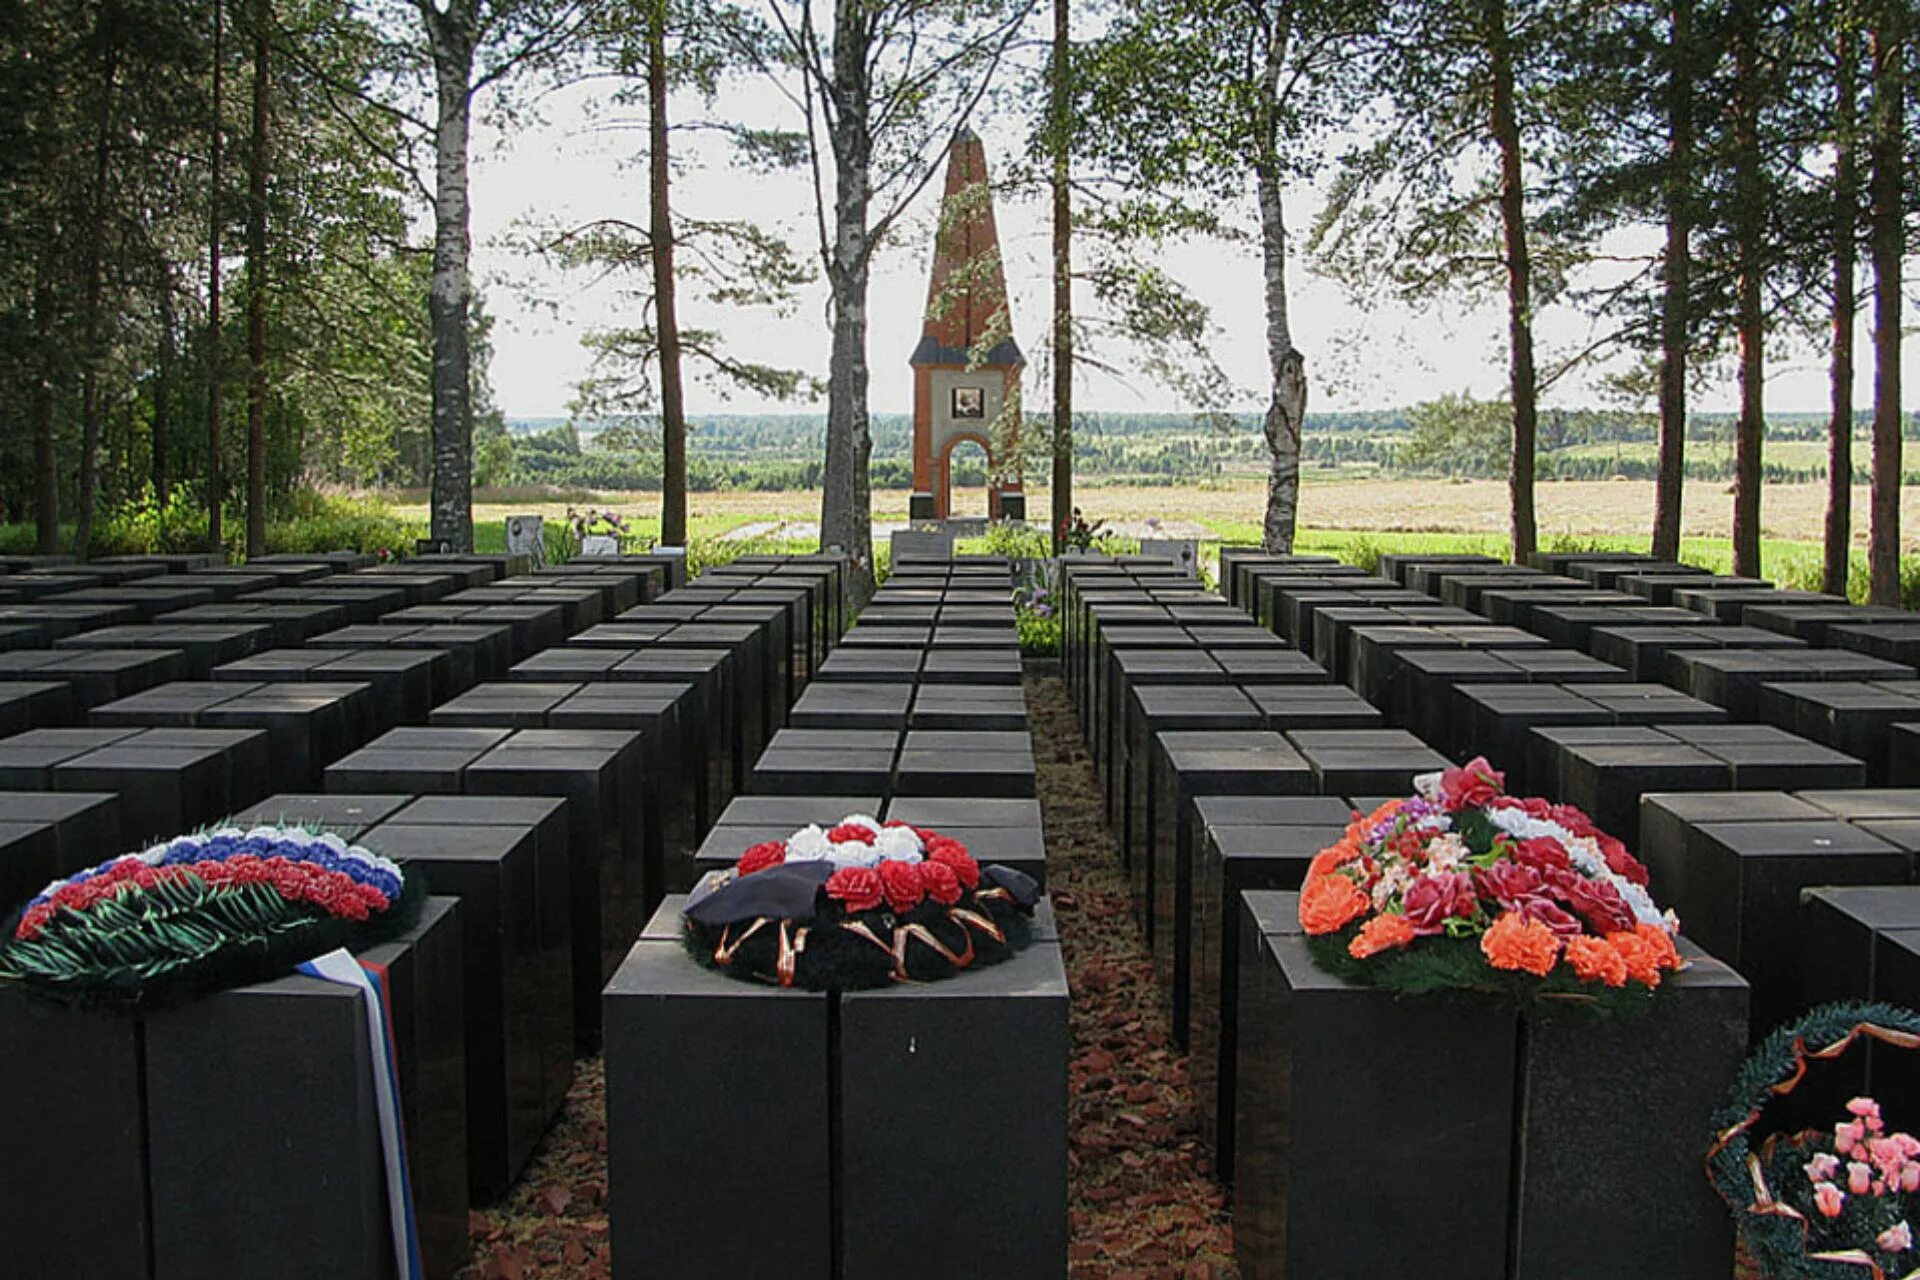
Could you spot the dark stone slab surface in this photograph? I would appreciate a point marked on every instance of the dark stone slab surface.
(957, 762)
(849, 705)
(941, 1128)
(204, 646)
(415, 760)
(835, 761)
(94, 676)
(1314, 1053)
(1854, 717)
(683, 1045)
(1364, 761)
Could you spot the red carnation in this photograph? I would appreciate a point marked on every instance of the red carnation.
(851, 831)
(1437, 897)
(903, 885)
(1472, 787)
(1543, 853)
(1573, 819)
(1508, 883)
(1595, 901)
(941, 881)
(856, 888)
(1619, 861)
(768, 853)
(1546, 913)
(953, 854)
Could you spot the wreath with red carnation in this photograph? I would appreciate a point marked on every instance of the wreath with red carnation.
(858, 905)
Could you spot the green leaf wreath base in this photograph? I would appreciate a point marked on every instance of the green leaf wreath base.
(156, 948)
(838, 950)
(1783, 1242)
(1455, 966)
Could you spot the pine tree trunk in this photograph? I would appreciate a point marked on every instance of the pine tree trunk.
(450, 293)
(1675, 309)
(1749, 305)
(673, 409)
(846, 516)
(1839, 533)
(1888, 246)
(257, 163)
(1060, 182)
(216, 444)
(46, 458)
(92, 404)
(163, 376)
(1506, 134)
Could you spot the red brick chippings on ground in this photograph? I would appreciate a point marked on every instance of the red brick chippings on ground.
(1143, 1202)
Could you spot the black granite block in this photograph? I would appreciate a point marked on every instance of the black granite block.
(204, 646)
(802, 762)
(1642, 651)
(1330, 706)
(94, 676)
(290, 624)
(1365, 761)
(941, 1128)
(171, 781)
(1763, 757)
(29, 860)
(224, 1201)
(71, 1083)
(1670, 825)
(1891, 1077)
(959, 762)
(598, 774)
(1813, 622)
(571, 663)
(964, 706)
(1903, 755)
(671, 747)
(505, 704)
(1837, 932)
(512, 887)
(1155, 708)
(406, 683)
(35, 704)
(889, 637)
(848, 705)
(941, 813)
(425, 976)
(1852, 716)
(684, 1046)
(867, 665)
(971, 666)
(308, 725)
(1893, 641)
(1605, 771)
(84, 827)
(1587, 1180)
(1732, 678)
(1230, 859)
(1314, 1053)
(348, 816)
(1187, 765)
(421, 761)
(1741, 897)
(474, 652)
(1494, 720)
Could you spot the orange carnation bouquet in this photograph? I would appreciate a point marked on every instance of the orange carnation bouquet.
(1463, 887)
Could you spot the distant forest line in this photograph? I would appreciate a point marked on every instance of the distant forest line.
(1456, 436)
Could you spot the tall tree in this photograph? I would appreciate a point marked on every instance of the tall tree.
(1846, 230)
(259, 160)
(1890, 52)
(1676, 280)
(107, 37)
(1749, 228)
(884, 85)
(673, 403)
(216, 443)
(1060, 182)
(1523, 384)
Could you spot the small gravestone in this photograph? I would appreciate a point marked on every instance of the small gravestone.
(526, 537)
(599, 544)
(922, 544)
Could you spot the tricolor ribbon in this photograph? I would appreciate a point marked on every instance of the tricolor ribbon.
(339, 966)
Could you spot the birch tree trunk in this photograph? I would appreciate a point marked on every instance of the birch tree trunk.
(450, 36)
(1671, 475)
(1286, 366)
(1062, 485)
(1748, 302)
(846, 516)
(1888, 246)
(1839, 530)
(673, 409)
(1506, 134)
(257, 162)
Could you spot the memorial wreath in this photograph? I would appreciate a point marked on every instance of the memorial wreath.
(1821, 1204)
(1461, 887)
(860, 904)
(220, 909)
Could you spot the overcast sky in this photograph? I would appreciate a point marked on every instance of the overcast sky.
(575, 164)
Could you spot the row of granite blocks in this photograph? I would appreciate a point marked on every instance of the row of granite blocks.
(1222, 797)
(484, 1005)
(923, 1122)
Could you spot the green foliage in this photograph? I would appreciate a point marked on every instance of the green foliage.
(1039, 636)
(1459, 435)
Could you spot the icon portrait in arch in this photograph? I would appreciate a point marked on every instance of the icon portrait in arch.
(969, 402)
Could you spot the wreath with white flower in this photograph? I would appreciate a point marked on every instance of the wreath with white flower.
(856, 905)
